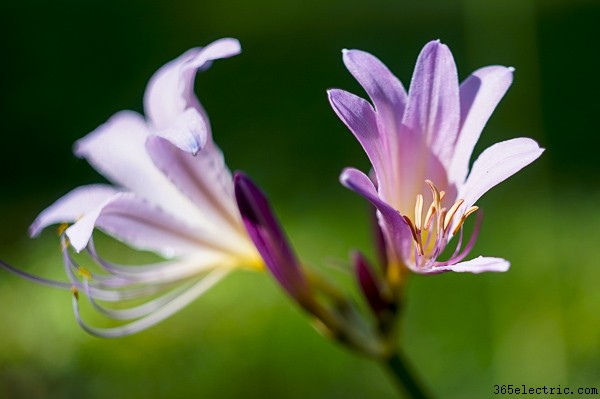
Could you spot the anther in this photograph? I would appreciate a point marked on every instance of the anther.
(418, 212)
(429, 216)
(413, 230)
(61, 229)
(464, 217)
(451, 214)
(85, 273)
(75, 292)
(434, 191)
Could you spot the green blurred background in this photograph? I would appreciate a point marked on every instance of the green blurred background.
(69, 65)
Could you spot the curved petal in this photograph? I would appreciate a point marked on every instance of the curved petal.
(189, 131)
(496, 164)
(171, 89)
(206, 181)
(117, 150)
(433, 108)
(476, 266)
(145, 227)
(384, 89)
(393, 226)
(72, 206)
(480, 93)
(358, 115)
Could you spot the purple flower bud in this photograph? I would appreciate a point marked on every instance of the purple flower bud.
(269, 238)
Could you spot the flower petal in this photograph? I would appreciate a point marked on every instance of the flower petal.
(144, 226)
(117, 150)
(433, 108)
(394, 228)
(384, 89)
(72, 206)
(480, 93)
(269, 238)
(496, 164)
(476, 266)
(206, 180)
(358, 115)
(171, 89)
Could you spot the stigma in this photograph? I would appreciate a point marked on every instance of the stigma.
(432, 230)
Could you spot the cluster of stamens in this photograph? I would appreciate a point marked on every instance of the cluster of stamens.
(430, 234)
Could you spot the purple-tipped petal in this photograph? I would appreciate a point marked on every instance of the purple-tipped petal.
(72, 206)
(433, 107)
(497, 163)
(368, 284)
(480, 93)
(358, 115)
(171, 89)
(269, 238)
(384, 89)
(117, 150)
(476, 266)
(394, 227)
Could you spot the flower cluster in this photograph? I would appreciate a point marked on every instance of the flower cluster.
(173, 195)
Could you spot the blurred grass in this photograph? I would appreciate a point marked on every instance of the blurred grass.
(536, 324)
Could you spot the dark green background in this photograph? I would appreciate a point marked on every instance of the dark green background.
(68, 65)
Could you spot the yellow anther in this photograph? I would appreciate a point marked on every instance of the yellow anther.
(464, 217)
(75, 292)
(442, 195)
(429, 216)
(451, 213)
(61, 228)
(418, 212)
(415, 235)
(441, 218)
(85, 273)
(434, 192)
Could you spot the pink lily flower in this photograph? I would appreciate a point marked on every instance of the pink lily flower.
(172, 195)
(420, 144)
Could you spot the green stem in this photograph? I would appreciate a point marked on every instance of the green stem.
(404, 377)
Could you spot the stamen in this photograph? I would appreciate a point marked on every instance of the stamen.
(464, 217)
(442, 195)
(414, 233)
(418, 212)
(83, 272)
(441, 219)
(75, 292)
(429, 216)
(61, 228)
(436, 194)
(451, 213)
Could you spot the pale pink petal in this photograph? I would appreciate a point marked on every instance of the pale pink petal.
(206, 181)
(358, 115)
(143, 226)
(72, 206)
(476, 266)
(384, 89)
(394, 228)
(189, 131)
(117, 150)
(496, 164)
(171, 89)
(480, 93)
(433, 108)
